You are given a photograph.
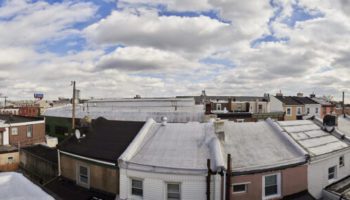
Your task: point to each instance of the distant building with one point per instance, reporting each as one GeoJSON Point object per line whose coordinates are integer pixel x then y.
{"type": "Point", "coordinates": [327, 107]}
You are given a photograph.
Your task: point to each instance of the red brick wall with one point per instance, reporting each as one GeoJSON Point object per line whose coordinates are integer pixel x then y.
{"type": "Point", "coordinates": [38, 135]}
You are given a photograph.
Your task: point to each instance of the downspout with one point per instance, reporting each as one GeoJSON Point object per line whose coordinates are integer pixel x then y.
{"type": "Point", "coordinates": [223, 184]}
{"type": "Point", "coordinates": [59, 162]}
{"type": "Point", "coordinates": [228, 178]}
{"type": "Point", "coordinates": [208, 179]}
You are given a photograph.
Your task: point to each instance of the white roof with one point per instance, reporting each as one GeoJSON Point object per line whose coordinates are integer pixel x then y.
{"type": "Point", "coordinates": [258, 146]}
{"type": "Point", "coordinates": [311, 137]}
{"type": "Point", "coordinates": [15, 186]}
{"type": "Point", "coordinates": [344, 125]}
{"type": "Point", "coordinates": [179, 147]}
{"type": "Point", "coordinates": [182, 114]}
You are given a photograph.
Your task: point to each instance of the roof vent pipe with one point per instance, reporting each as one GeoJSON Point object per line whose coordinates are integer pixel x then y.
{"type": "Point", "coordinates": [164, 121]}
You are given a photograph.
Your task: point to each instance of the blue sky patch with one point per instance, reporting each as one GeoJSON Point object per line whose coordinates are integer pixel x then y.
{"type": "Point", "coordinates": [301, 14]}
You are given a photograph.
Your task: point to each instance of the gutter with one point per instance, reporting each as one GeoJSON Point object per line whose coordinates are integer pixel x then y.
{"type": "Point", "coordinates": [88, 159]}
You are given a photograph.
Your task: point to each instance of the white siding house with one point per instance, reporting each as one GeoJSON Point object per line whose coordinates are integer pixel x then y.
{"type": "Point", "coordinates": [329, 154]}
{"type": "Point", "coordinates": [170, 160]}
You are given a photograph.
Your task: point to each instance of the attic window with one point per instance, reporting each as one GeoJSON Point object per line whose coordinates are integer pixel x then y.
{"type": "Point", "coordinates": [341, 161]}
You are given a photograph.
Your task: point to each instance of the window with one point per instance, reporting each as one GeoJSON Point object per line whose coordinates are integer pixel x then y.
{"type": "Point", "coordinates": [29, 130]}
{"type": "Point", "coordinates": [10, 160]}
{"type": "Point", "coordinates": [239, 188]}
{"type": "Point", "coordinates": [173, 191]}
{"type": "Point", "coordinates": [332, 173]}
{"type": "Point", "coordinates": [83, 177]}
{"type": "Point", "coordinates": [289, 111]}
{"type": "Point", "coordinates": [218, 106]}
{"type": "Point", "coordinates": [308, 111]}
{"type": "Point", "coordinates": [341, 161]}
{"type": "Point", "coordinates": [136, 187]}
{"type": "Point", "coordinates": [14, 131]}
{"type": "Point", "coordinates": [316, 111]}
{"type": "Point", "coordinates": [271, 185]}
{"type": "Point", "coordinates": [299, 111]}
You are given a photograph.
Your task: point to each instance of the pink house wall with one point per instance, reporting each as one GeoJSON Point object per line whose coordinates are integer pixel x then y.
{"type": "Point", "coordinates": [293, 180]}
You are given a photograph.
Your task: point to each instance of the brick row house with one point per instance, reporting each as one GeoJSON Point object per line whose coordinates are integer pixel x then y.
{"type": "Point", "coordinates": [17, 132]}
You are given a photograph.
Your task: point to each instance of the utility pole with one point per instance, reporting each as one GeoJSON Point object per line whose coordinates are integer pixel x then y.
{"type": "Point", "coordinates": [344, 104]}
{"type": "Point", "coordinates": [73, 106]}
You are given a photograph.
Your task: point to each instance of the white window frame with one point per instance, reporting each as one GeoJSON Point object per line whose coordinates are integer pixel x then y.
{"type": "Point", "coordinates": [78, 181]}
{"type": "Point", "coordinates": [175, 183]}
{"type": "Point", "coordinates": [291, 111]}
{"type": "Point", "coordinates": [29, 130]}
{"type": "Point", "coordinates": [245, 189]}
{"type": "Point", "coordinates": [278, 186]}
{"type": "Point", "coordinates": [341, 158]}
{"type": "Point", "coordinates": [131, 187]}
{"type": "Point", "coordinates": [218, 106]}
{"type": "Point", "coordinates": [335, 173]}
{"type": "Point", "coordinates": [13, 132]}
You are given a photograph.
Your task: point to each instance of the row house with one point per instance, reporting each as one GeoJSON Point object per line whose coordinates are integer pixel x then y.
{"type": "Point", "coordinates": [261, 169]}
{"type": "Point", "coordinates": [87, 161]}
{"type": "Point", "coordinates": [17, 132]}
{"type": "Point", "coordinates": [170, 161]}
{"type": "Point", "coordinates": [326, 106]}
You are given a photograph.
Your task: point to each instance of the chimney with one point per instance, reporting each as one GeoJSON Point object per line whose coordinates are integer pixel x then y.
{"type": "Point", "coordinates": [164, 121]}
{"type": "Point", "coordinates": [279, 94]}
{"type": "Point", "coordinates": [219, 129]}
{"type": "Point", "coordinates": [300, 94]}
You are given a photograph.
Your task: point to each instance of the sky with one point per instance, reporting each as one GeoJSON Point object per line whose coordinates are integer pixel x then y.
{"type": "Point", "coordinates": [174, 47]}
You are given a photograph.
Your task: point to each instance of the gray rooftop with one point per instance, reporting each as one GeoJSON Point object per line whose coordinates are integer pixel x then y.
{"type": "Point", "coordinates": [181, 146]}
{"type": "Point", "coordinates": [311, 137]}
{"type": "Point", "coordinates": [258, 146]}
{"type": "Point", "coordinates": [344, 125]}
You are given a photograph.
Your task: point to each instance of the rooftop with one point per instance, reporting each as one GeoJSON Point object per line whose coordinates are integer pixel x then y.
{"type": "Point", "coordinates": [42, 151]}
{"type": "Point", "coordinates": [178, 146]}
{"type": "Point", "coordinates": [7, 149]}
{"type": "Point", "coordinates": [66, 189]}
{"type": "Point", "coordinates": [16, 186]}
{"type": "Point", "coordinates": [344, 125]}
{"type": "Point", "coordinates": [17, 119]}
{"type": "Point", "coordinates": [226, 98]}
{"type": "Point", "coordinates": [322, 101]}
{"type": "Point", "coordinates": [305, 100]}
{"type": "Point", "coordinates": [131, 113]}
{"type": "Point", "coordinates": [257, 146]}
{"type": "Point", "coordinates": [340, 188]}
{"type": "Point", "coordinates": [288, 100]}
{"type": "Point", "coordinates": [105, 140]}
{"type": "Point", "coordinates": [311, 137]}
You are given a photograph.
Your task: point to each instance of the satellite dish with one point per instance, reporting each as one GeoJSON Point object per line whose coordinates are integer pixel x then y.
{"type": "Point", "coordinates": [77, 134]}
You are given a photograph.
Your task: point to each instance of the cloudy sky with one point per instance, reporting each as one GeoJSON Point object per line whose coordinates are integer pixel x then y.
{"type": "Point", "coordinates": [174, 47]}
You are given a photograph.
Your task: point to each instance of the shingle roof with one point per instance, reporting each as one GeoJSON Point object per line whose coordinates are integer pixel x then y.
{"type": "Point", "coordinates": [105, 140]}
{"type": "Point", "coordinates": [288, 100]}
{"type": "Point", "coordinates": [305, 100]}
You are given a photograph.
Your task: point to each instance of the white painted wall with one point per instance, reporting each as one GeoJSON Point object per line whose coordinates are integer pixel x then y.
{"type": "Point", "coordinates": [5, 137]}
{"type": "Point", "coordinates": [318, 172]}
{"type": "Point", "coordinates": [154, 185]}
{"type": "Point", "coordinates": [275, 105]}
{"type": "Point", "coordinates": [312, 108]}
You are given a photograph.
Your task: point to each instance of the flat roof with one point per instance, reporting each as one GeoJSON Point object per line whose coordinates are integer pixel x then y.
{"type": "Point", "coordinates": [257, 146]}
{"type": "Point", "coordinates": [311, 137]}
{"type": "Point", "coordinates": [44, 152]}
{"type": "Point", "coordinates": [344, 125]}
{"type": "Point", "coordinates": [18, 119]}
{"type": "Point", "coordinates": [15, 186]}
{"type": "Point", "coordinates": [67, 189]}
{"type": "Point", "coordinates": [340, 188]}
{"type": "Point", "coordinates": [177, 146]}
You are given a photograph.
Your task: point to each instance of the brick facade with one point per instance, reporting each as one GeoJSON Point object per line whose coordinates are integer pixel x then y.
{"type": "Point", "coordinates": [37, 136]}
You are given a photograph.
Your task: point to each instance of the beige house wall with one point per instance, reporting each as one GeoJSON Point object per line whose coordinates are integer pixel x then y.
{"type": "Point", "coordinates": [293, 180]}
{"type": "Point", "coordinates": [293, 115]}
{"type": "Point", "coordinates": [5, 165]}
{"type": "Point", "coordinates": [104, 178]}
